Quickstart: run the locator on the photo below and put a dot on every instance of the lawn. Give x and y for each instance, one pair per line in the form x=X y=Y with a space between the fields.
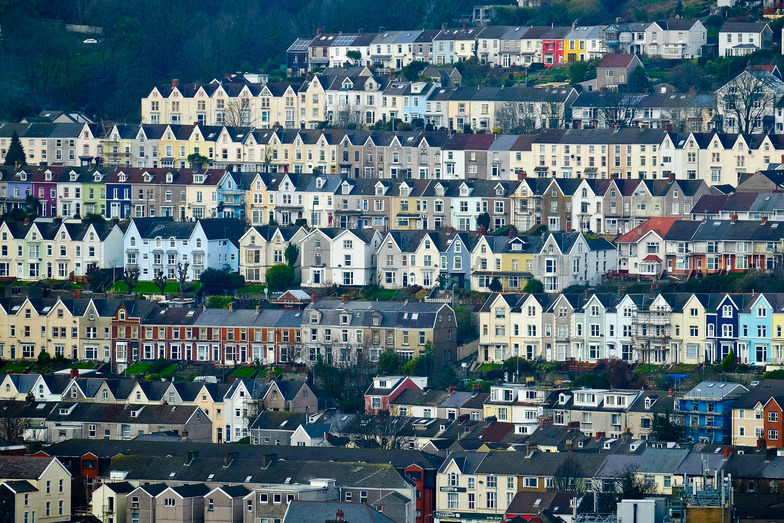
x=148 y=287
x=487 y=367
x=13 y=367
x=168 y=371
x=251 y=289
x=244 y=372
x=137 y=368
x=384 y=294
x=278 y=373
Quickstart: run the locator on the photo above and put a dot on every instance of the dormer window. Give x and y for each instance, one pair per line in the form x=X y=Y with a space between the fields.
x=147 y=177
x=319 y=183
x=74 y=175
x=439 y=190
x=346 y=188
x=169 y=178
x=97 y=176
x=499 y=191
x=23 y=176
x=562 y=399
x=122 y=177
x=49 y=175
x=344 y=319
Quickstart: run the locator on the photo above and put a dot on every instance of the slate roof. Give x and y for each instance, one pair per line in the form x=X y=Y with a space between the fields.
x=19 y=486
x=429 y=397
x=765 y=390
x=300 y=511
x=715 y=391
x=616 y=60
x=23 y=467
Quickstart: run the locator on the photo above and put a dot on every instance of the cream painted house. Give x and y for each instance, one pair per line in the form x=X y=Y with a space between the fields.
x=263 y=246
x=39 y=488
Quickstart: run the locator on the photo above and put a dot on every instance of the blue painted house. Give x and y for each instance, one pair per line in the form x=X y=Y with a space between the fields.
x=756 y=329
x=118 y=195
x=707 y=411
x=456 y=260
x=722 y=325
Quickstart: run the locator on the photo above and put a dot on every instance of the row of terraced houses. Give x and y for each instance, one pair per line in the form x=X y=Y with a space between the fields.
x=663 y=328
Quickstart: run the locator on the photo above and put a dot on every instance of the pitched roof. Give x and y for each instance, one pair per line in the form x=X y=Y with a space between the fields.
x=23 y=467
x=616 y=60
x=299 y=511
x=658 y=225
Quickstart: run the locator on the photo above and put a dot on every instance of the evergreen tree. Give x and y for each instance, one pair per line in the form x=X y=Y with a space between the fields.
x=16 y=154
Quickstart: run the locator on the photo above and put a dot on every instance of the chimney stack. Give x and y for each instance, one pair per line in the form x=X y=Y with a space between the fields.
x=344 y=298
x=74 y=373
x=728 y=451
x=761 y=443
x=764 y=219
x=734 y=217
x=267 y=459
x=481 y=231
x=512 y=232
x=175 y=82
x=671 y=177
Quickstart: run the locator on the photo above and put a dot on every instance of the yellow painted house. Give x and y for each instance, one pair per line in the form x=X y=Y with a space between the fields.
x=508 y=259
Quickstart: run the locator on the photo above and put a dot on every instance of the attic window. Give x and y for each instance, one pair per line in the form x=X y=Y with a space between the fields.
x=49 y=175
x=169 y=178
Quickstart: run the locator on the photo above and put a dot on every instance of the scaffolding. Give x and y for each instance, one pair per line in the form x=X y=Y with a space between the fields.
x=651 y=332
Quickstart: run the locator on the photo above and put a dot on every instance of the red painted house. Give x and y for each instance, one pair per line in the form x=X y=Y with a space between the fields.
x=386 y=388
x=553 y=44
x=773 y=416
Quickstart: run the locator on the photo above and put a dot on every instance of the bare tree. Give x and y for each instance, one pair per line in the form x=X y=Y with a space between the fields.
x=625 y=484
x=94 y=277
x=553 y=115
x=516 y=118
x=12 y=425
x=131 y=277
x=384 y=430
x=745 y=101
x=348 y=116
x=182 y=274
x=160 y=280
x=236 y=112
x=619 y=109
x=567 y=474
